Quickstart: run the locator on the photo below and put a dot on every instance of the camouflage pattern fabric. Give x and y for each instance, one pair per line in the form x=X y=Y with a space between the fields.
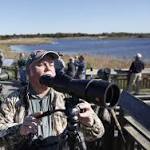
x=15 y=108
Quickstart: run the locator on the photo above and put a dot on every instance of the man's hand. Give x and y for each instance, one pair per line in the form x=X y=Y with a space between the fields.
x=30 y=124
x=86 y=114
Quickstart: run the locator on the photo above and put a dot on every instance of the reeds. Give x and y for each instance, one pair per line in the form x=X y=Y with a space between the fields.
x=101 y=61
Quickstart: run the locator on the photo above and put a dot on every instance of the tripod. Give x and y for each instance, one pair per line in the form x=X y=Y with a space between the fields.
x=71 y=138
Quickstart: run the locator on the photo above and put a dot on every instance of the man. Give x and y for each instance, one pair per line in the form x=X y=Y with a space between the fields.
x=81 y=68
x=22 y=68
x=70 y=70
x=19 y=125
x=59 y=63
x=1 y=61
x=135 y=73
x=1 y=94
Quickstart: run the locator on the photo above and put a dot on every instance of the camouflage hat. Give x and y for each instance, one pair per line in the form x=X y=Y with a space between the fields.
x=37 y=55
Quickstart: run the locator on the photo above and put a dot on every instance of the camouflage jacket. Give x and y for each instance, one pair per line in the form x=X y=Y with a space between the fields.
x=15 y=108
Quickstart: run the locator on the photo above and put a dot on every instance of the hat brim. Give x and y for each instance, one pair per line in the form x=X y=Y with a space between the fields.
x=53 y=54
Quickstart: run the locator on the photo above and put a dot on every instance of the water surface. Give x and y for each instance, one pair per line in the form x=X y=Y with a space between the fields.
x=120 y=48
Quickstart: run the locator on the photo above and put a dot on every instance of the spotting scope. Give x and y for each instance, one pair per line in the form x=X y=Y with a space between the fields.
x=99 y=92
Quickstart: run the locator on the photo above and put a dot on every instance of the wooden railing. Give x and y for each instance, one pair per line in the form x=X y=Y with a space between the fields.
x=121 y=81
x=120 y=77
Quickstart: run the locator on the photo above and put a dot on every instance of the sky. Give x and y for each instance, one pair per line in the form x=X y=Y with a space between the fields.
x=73 y=16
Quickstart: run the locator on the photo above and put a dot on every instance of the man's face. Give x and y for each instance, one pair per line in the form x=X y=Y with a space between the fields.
x=43 y=67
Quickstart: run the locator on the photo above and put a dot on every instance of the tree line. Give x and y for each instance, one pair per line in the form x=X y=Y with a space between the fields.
x=72 y=35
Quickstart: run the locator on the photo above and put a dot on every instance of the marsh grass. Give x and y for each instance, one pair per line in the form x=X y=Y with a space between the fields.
x=5 y=45
x=103 y=62
x=7 y=52
x=26 y=41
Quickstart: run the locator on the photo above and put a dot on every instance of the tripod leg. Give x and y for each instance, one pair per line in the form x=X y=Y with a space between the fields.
x=81 y=141
x=77 y=142
x=63 y=142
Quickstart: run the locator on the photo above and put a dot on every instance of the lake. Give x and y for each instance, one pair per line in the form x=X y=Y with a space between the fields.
x=118 y=48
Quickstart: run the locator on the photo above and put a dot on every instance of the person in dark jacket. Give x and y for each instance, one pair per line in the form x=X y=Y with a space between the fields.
x=71 y=67
x=1 y=94
x=81 y=68
x=22 y=68
x=1 y=61
x=135 y=73
x=59 y=64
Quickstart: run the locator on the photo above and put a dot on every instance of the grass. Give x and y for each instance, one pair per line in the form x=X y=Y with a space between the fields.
x=92 y=61
x=103 y=61
x=7 y=51
x=26 y=41
x=5 y=45
x=98 y=62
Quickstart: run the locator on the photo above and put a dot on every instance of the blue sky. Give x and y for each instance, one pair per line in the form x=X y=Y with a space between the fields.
x=86 y=16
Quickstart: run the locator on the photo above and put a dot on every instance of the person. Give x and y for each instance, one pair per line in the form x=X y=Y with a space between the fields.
x=1 y=94
x=19 y=123
x=81 y=68
x=76 y=60
x=1 y=61
x=104 y=74
x=22 y=68
x=135 y=73
x=59 y=64
x=70 y=70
